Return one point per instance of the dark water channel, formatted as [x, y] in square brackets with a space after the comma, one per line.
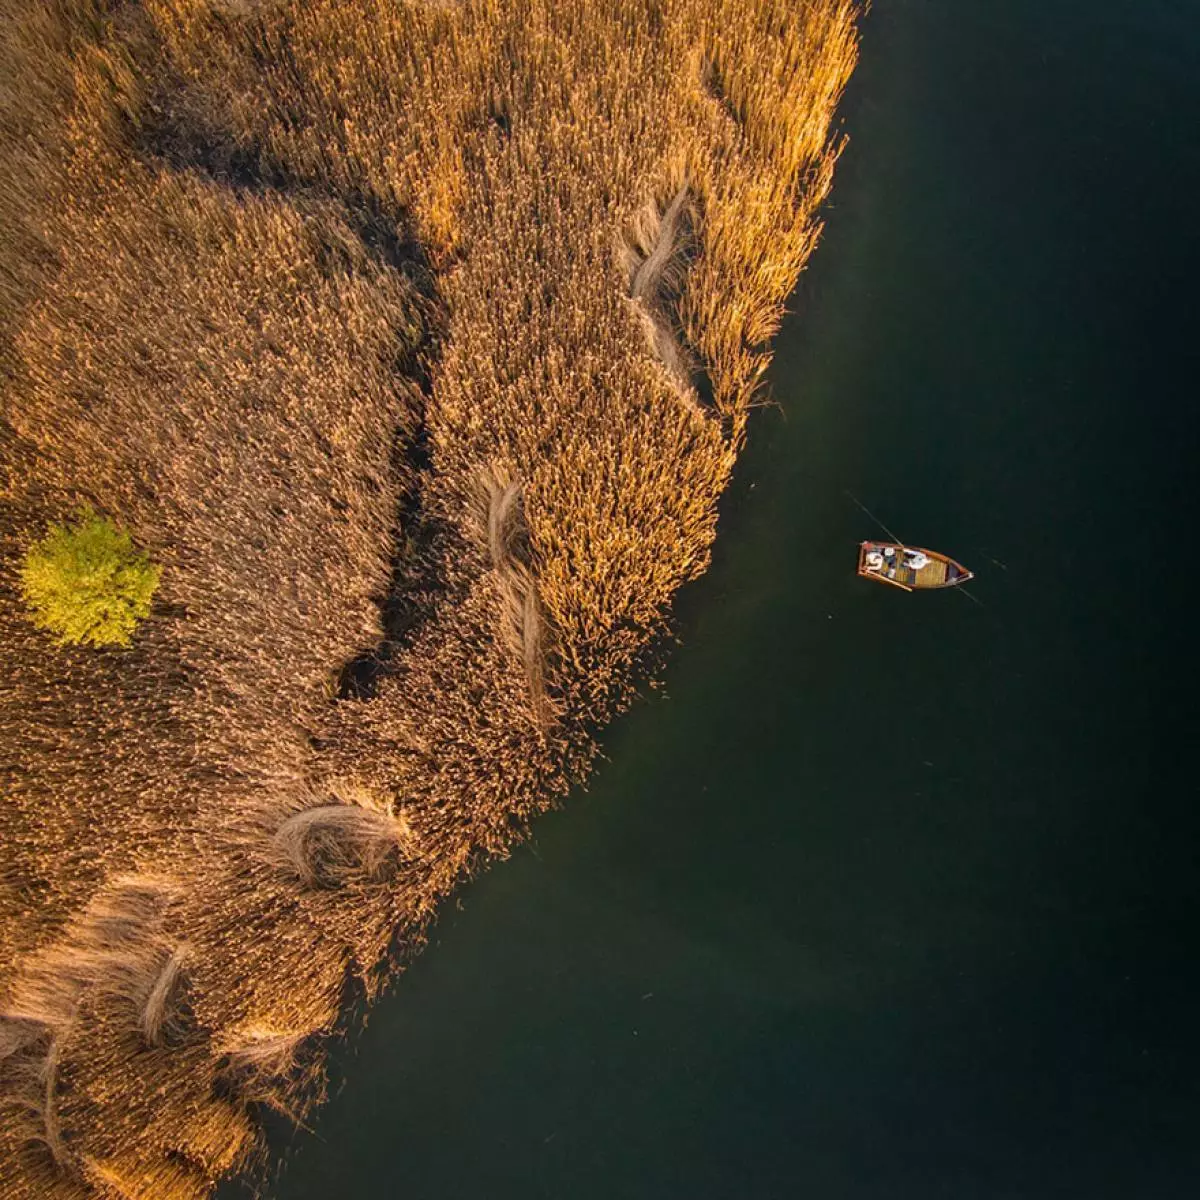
[894, 896]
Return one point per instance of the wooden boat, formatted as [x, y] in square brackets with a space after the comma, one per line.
[909, 567]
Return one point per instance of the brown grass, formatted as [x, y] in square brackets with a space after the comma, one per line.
[318, 298]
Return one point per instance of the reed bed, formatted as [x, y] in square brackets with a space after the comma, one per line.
[318, 299]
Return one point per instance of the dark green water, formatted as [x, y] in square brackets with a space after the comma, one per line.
[894, 896]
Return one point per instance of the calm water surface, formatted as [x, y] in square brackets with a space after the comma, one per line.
[892, 896]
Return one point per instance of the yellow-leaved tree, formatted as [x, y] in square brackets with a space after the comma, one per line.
[86, 583]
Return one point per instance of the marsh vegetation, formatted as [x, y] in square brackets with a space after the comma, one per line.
[345, 309]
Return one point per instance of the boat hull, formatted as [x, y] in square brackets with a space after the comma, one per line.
[896, 569]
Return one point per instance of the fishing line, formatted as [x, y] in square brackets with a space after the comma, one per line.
[874, 518]
[969, 596]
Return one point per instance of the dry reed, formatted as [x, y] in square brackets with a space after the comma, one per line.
[337, 844]
[158, 1009]
[522, 621]
[319, 299]
[654, 253]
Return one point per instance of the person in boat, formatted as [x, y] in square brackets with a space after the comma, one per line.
[874, 560]
[916, 559]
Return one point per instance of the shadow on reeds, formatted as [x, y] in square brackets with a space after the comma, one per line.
[164, 135]
[416, 587]
[713, 81]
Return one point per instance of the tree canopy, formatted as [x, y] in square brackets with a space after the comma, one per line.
[86, 583]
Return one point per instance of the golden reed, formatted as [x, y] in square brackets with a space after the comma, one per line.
[416, 342]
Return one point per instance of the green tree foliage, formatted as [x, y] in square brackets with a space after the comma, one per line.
[87, 583]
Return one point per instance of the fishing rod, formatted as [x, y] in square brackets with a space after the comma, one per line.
[875, 518]
[903, 547]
